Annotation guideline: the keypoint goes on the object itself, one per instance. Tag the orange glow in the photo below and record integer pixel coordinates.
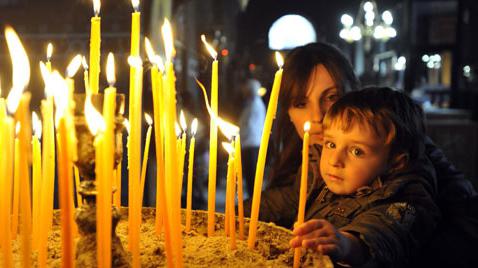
(306, 126)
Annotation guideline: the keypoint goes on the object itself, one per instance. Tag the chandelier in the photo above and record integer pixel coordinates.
(367, 24)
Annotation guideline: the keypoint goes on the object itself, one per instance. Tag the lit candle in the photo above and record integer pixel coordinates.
(6, 170)
(173, 196)
(71, 70)
(36, 171)
(212, 141)
(240, 196)
(49, 52)
(107, 165)
(65, 170)
(18, 103)
(182, 150)
(158, 105)
(303, 187)
(134, 151)
(230, 193)
(95, 48)
(261, 161)
(97, 126)
(144, 166)
(48, 168)
(189, 196)
(76, 173)
(86, 79)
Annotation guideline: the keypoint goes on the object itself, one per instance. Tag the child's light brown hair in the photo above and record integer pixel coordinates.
(389, 113)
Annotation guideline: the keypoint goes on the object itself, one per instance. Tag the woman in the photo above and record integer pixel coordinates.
(315, 76)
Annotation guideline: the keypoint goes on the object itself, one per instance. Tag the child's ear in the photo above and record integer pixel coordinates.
(399, 162)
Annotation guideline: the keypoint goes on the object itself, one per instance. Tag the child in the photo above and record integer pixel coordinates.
(366, 208)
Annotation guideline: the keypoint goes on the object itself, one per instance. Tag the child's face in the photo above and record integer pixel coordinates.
(352, 159)
(321, 94)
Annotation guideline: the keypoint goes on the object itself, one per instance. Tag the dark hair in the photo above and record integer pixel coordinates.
(298, 67)
(389, 113)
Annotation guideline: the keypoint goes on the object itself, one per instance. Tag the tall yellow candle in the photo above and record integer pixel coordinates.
(16, 187)
(182, 151)
(36, 171)
(211, 201)
(6, 170)
(261, 159)
(303, 187)
(134, 151)
(158, 106)
(48, 178)
(173, 196)
(240, 195)
(95, 48)
(100, 200)
(64, 184)
(189, 196)
(65, 171)
(144, 166)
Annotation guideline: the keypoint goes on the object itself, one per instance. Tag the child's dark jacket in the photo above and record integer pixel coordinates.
(393, 218)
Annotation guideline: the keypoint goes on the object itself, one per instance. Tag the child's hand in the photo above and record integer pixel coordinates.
(322, 236)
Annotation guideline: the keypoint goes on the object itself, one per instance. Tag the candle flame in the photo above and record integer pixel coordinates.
(110, 69)
(194, 126)
(126, 125)
(58, 86)
(17, 128)
(182, 121)
(96, 7)
(74, 65)
(279, 59)
(135, 4)
(49, 51)
(84, 63)
(229, 130)
(168, 40)
(306, 126)
(94, 119)
(177, 129)
(135, 61)
(209, 48)
(148, 119)
(20, 68)
(152, 56)
(37, 126)
(228, 147)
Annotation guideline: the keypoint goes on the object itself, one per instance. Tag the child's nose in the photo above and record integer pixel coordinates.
(335, 159)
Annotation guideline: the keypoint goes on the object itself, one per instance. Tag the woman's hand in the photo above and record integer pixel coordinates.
(320, 235)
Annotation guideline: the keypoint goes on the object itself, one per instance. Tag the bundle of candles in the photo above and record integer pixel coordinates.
(27, 207)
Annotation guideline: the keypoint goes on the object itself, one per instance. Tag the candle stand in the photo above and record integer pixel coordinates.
(85, 217)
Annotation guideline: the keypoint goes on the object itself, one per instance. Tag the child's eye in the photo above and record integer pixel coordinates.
(329, 145)
(299, 104)
(357, 152)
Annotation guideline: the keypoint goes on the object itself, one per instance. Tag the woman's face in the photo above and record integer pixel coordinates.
(322, 92)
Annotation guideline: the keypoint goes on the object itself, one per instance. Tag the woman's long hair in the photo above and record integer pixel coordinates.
(298, 67)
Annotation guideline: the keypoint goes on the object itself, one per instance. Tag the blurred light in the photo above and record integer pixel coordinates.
(224, 52)
(467, 71)
(347, 20)
(387, 17)
(368, 6)
(290, 31)
(425, 58)
(401, 63)
(252, 67)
